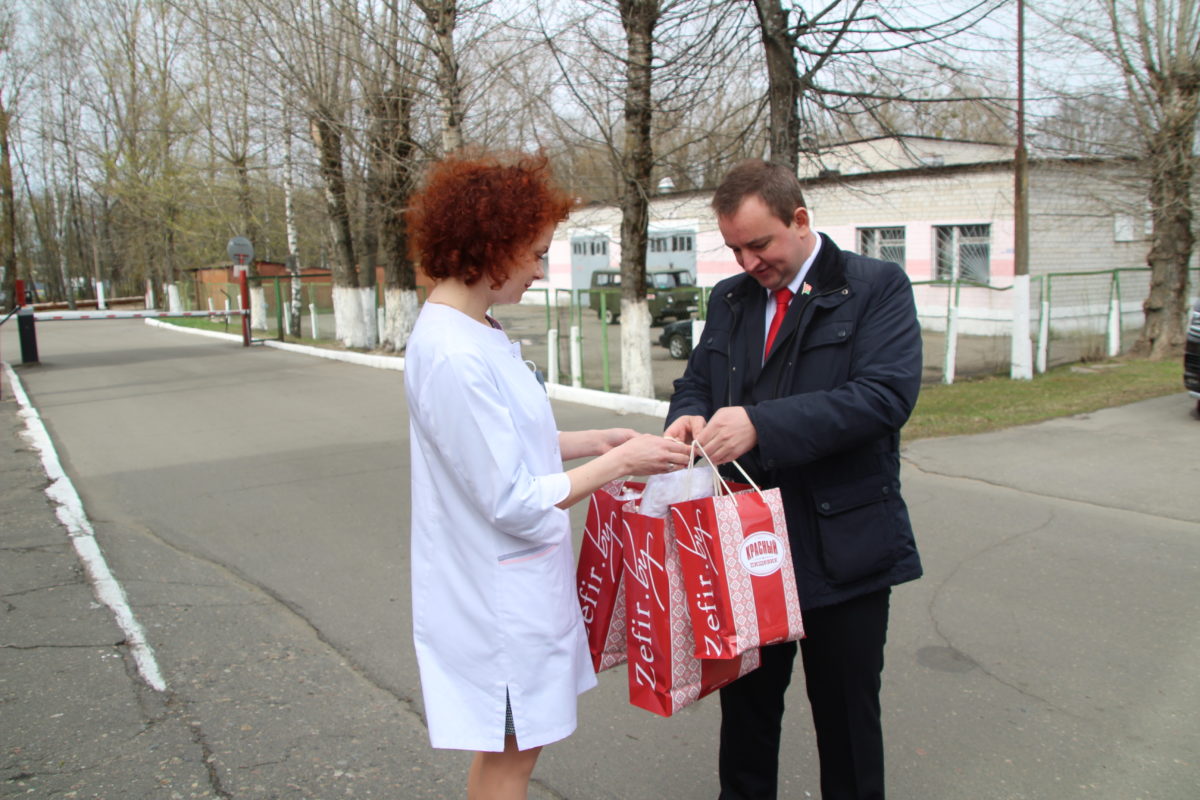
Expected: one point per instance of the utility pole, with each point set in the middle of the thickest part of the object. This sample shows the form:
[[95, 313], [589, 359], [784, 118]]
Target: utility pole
[[1022, 349]]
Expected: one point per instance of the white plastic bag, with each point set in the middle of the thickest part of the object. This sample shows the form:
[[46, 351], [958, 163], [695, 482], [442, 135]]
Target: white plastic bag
[[674, 487]]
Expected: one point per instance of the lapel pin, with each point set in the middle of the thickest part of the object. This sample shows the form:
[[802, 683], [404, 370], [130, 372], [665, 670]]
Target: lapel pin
[[807, 289]]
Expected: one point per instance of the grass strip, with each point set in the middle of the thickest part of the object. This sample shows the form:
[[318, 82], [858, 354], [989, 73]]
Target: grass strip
[[995, 402]]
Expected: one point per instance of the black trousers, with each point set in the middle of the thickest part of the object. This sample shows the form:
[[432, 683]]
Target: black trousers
[[843, 662]]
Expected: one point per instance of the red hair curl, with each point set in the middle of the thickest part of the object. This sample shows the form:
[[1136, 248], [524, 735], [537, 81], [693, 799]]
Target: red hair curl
[[474, 212]]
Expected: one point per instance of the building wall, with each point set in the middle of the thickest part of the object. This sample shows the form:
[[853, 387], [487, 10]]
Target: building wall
[[1085, 216]]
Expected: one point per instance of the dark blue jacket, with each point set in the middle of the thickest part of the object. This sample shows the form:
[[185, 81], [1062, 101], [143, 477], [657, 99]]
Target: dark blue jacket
[[828, 406]]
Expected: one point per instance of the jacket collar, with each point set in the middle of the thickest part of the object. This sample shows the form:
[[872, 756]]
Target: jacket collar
[[826, 274], [748, 301]]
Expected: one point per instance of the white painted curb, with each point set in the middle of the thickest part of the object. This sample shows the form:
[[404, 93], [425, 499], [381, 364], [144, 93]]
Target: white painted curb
[[611, 401], [69, 509]]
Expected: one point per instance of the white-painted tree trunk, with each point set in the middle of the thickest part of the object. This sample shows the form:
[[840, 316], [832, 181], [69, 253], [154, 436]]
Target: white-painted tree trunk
[[400, 315], [352, 327], [637, 378], [366, 296], [174, 302], [258, 308]]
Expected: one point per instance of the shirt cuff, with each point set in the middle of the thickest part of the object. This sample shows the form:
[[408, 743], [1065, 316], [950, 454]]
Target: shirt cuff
[[558, 486]]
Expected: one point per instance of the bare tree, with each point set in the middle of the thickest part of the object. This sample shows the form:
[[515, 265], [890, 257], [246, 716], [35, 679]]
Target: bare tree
[[1141, 101], [225, 106], [442, 17], [666, 56], [852, 58], [311, 50], [389, 74], [8, 203], [1156, 44]]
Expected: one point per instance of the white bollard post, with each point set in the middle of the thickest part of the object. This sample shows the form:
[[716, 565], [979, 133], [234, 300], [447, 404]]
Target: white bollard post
[[312, 317], [552, 355], [287, 316], [1043, 345], [101, 302], [576, 357], [951, 345], [1021, 367], [1114, 327]]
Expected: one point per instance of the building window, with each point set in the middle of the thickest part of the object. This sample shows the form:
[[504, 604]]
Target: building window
[[681, 244], [658, 244], [884, 243], [964, 252]]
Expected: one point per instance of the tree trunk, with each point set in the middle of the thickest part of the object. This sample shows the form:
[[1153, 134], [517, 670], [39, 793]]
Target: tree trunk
[[783, 82], [396, 169], [442, 17], [293, 233], [1173, 240], [351, 327], [638, 18], [8, 214]]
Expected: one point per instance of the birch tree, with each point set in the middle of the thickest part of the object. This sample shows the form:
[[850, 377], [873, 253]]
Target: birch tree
[[311, 49]]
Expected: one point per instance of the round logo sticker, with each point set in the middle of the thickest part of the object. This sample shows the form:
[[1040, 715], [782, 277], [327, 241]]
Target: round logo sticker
[[761, 553]]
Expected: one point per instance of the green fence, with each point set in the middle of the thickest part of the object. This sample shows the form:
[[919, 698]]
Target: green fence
[[966, 327]]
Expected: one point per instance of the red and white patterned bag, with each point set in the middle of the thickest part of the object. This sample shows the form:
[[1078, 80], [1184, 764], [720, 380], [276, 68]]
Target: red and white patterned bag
[[598, 575], [664, 674], [737, 567]]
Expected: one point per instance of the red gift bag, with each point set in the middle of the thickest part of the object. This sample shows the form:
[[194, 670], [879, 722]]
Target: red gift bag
[[598, 574], [737, 567], [664, 675]]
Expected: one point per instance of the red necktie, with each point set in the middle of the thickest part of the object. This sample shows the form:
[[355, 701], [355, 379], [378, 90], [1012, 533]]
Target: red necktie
[[782, 298]]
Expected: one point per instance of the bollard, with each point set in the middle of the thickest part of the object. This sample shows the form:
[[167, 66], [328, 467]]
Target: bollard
[[28, 334]]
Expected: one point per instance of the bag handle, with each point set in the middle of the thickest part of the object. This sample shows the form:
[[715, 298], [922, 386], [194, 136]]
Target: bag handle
[[721, 478]]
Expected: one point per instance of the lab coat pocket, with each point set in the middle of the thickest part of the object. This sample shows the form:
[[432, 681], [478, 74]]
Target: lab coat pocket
[[537, 593], [856, 529]]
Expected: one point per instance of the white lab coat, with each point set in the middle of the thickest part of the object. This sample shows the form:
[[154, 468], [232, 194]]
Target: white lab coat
[[494, 605]]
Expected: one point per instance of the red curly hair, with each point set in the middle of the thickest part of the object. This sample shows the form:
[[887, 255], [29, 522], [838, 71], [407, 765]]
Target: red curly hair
[[474, 212]]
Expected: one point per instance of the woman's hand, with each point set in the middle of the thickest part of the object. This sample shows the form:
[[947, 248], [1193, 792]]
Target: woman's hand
[[608, 438], [638, 454], [583, 444], [647, 454]]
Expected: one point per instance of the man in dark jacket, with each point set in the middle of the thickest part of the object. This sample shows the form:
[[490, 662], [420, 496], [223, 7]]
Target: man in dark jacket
[[809, 364]]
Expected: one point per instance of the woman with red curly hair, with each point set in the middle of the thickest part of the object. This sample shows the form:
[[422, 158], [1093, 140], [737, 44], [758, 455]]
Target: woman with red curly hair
[[498, 632]]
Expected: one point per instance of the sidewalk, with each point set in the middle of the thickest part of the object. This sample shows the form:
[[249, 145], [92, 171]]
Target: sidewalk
[[77, 723]]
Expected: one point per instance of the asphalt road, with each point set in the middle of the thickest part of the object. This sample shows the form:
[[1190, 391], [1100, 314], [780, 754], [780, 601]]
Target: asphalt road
[[253, 504]]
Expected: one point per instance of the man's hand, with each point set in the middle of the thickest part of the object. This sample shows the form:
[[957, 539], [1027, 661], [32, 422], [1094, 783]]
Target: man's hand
[[728, 435], [685, 429]]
